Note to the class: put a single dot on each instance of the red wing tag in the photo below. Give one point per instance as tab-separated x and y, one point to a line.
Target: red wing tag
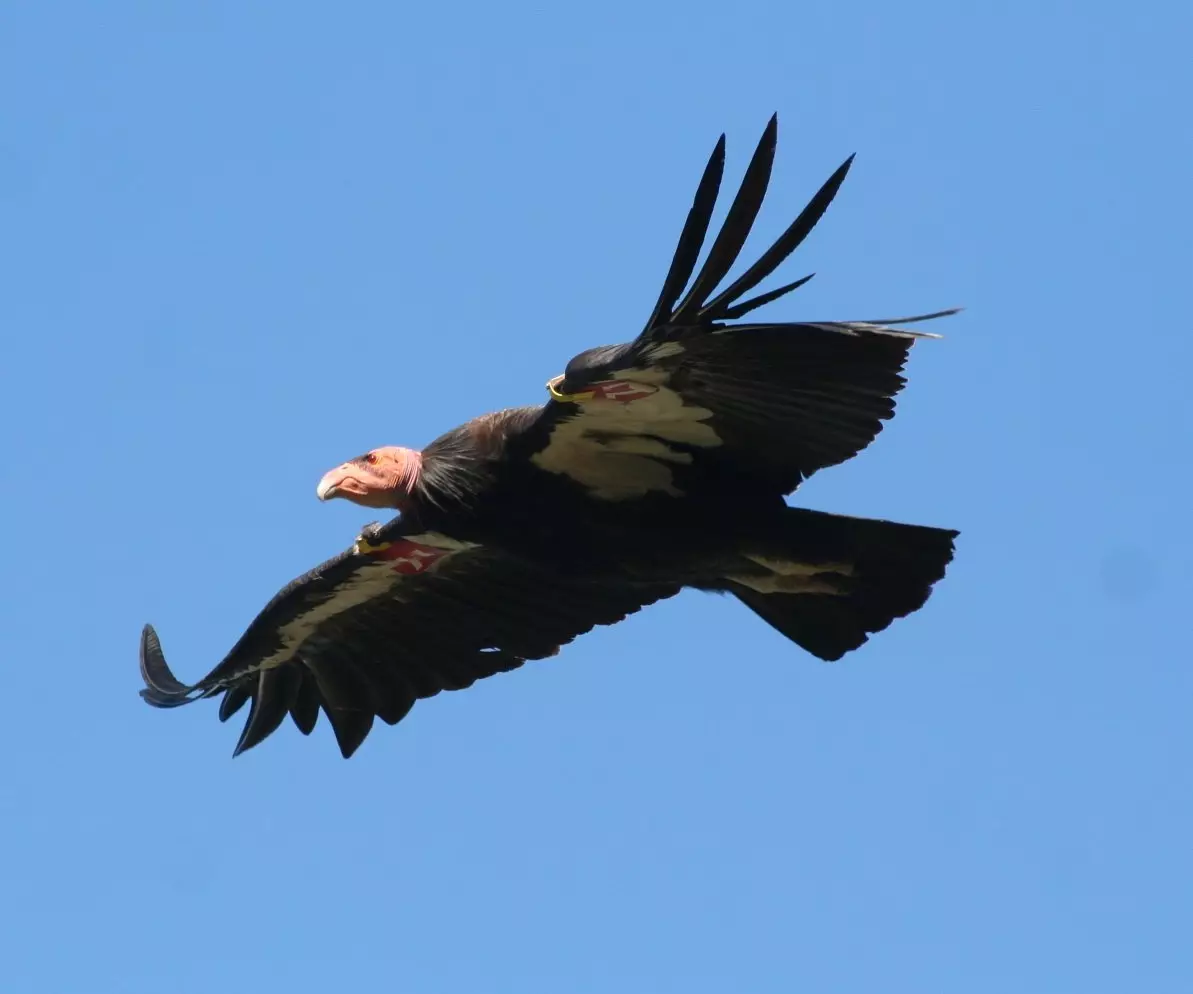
621	390
410	557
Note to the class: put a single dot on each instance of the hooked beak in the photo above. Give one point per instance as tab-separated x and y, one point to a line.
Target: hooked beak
326	489
338	483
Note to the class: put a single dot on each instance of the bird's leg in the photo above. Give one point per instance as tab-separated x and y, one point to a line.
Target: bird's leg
369	538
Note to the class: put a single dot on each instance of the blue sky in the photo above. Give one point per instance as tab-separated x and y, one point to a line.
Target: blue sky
243	242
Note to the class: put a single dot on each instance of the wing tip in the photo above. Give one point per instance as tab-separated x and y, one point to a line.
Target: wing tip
891	325
735	228
162	688
782	247
350	728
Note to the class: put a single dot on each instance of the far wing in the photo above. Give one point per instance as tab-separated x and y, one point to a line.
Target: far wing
696	396
376	628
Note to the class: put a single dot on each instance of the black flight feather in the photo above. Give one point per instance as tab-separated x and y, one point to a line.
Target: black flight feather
736	228
304	711
784	245
739	310
234	700
359	640
687	252
276	691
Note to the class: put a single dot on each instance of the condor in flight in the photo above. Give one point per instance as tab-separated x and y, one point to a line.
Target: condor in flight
654	466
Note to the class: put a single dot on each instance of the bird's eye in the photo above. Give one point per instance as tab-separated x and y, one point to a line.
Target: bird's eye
371	458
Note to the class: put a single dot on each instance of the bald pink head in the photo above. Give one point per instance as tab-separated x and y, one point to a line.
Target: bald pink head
384	477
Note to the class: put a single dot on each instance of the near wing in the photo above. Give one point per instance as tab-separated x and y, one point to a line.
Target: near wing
376	628
771	401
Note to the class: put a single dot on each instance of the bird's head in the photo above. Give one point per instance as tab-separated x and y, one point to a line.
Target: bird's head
383	477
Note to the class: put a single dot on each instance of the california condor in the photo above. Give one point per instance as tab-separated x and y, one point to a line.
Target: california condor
654	466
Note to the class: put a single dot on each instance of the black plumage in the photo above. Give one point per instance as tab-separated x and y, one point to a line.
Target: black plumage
358	638
783	400
656	465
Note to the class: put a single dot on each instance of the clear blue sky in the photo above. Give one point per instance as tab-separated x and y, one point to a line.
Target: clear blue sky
243	242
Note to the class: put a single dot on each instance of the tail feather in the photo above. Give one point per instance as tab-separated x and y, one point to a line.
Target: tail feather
873	572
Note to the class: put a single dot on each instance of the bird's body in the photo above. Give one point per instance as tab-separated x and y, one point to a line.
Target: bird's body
657	465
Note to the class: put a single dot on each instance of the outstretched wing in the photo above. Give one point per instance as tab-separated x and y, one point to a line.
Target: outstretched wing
695	398
369	632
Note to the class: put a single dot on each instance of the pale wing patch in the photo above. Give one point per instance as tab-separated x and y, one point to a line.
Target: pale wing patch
635	374
609	474
662	414
785	567
636	445
659	413
367	582
370	580
619	448
441	541
787	585
787	577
